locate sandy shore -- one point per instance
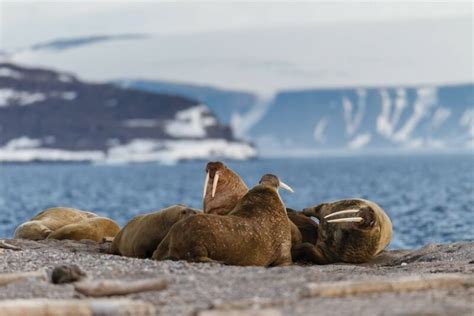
(194, 288)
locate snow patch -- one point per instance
(389, 117)
(191, 122)
(360, 141)
(65, 78)
(25, 149)
(146, 150)
(12, 97)
(241, 124)
(68, 95)
(140, 123)
(440, 116)
(23, 142)
(10, 73)
(353, 120)
(320, 130)
(47, 154)
(426, 98)
(467, 121)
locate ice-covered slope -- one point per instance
(51, 116)
(385, 119)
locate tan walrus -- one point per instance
(143, 233)
(257, 232)
(49, 220)
(352, 231)
(97, 229)
(223, 188)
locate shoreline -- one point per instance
(197, 288)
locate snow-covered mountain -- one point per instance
(53, 116)
(385, 119)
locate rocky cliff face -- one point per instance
(47, 115)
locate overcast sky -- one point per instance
(263, 46)
(25, 22)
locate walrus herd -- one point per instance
(237, 226)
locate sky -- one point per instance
(259, 46)
(26, 22)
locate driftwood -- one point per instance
(398, 285)
(4, 245)
(115, 287)
(256, 302)
(7, 278)
(52, 307)
(247, 312)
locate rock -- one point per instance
(229, 290)
(67, 274)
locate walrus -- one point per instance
(307, 228)
(49, 220)
(256, 233)
(223, 188)
(143, 233)
(96, 229)
(351, 231)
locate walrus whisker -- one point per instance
(285, 186)
(214, 184)
(205, 185)
(346, 220)
(342, 212)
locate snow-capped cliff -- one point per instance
(51, 116)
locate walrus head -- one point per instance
(273, 181)
(223, 188)
(33, 230)
(342, 212)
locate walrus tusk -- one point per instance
(285, 186)
(342, 212)
(214, 184)
(346, 220)
(205, 185)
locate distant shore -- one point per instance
(196, 288)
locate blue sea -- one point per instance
(430, 199)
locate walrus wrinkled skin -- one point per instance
(307, 228)
(351, 231)
(49, 220)
(256, 233)
(142, 234)
(96, 229)
(223, 188)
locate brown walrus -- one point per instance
(143, 233)
(49, 220)
(223, 188)
(96, 229)
(257, 232)
(351, 231)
